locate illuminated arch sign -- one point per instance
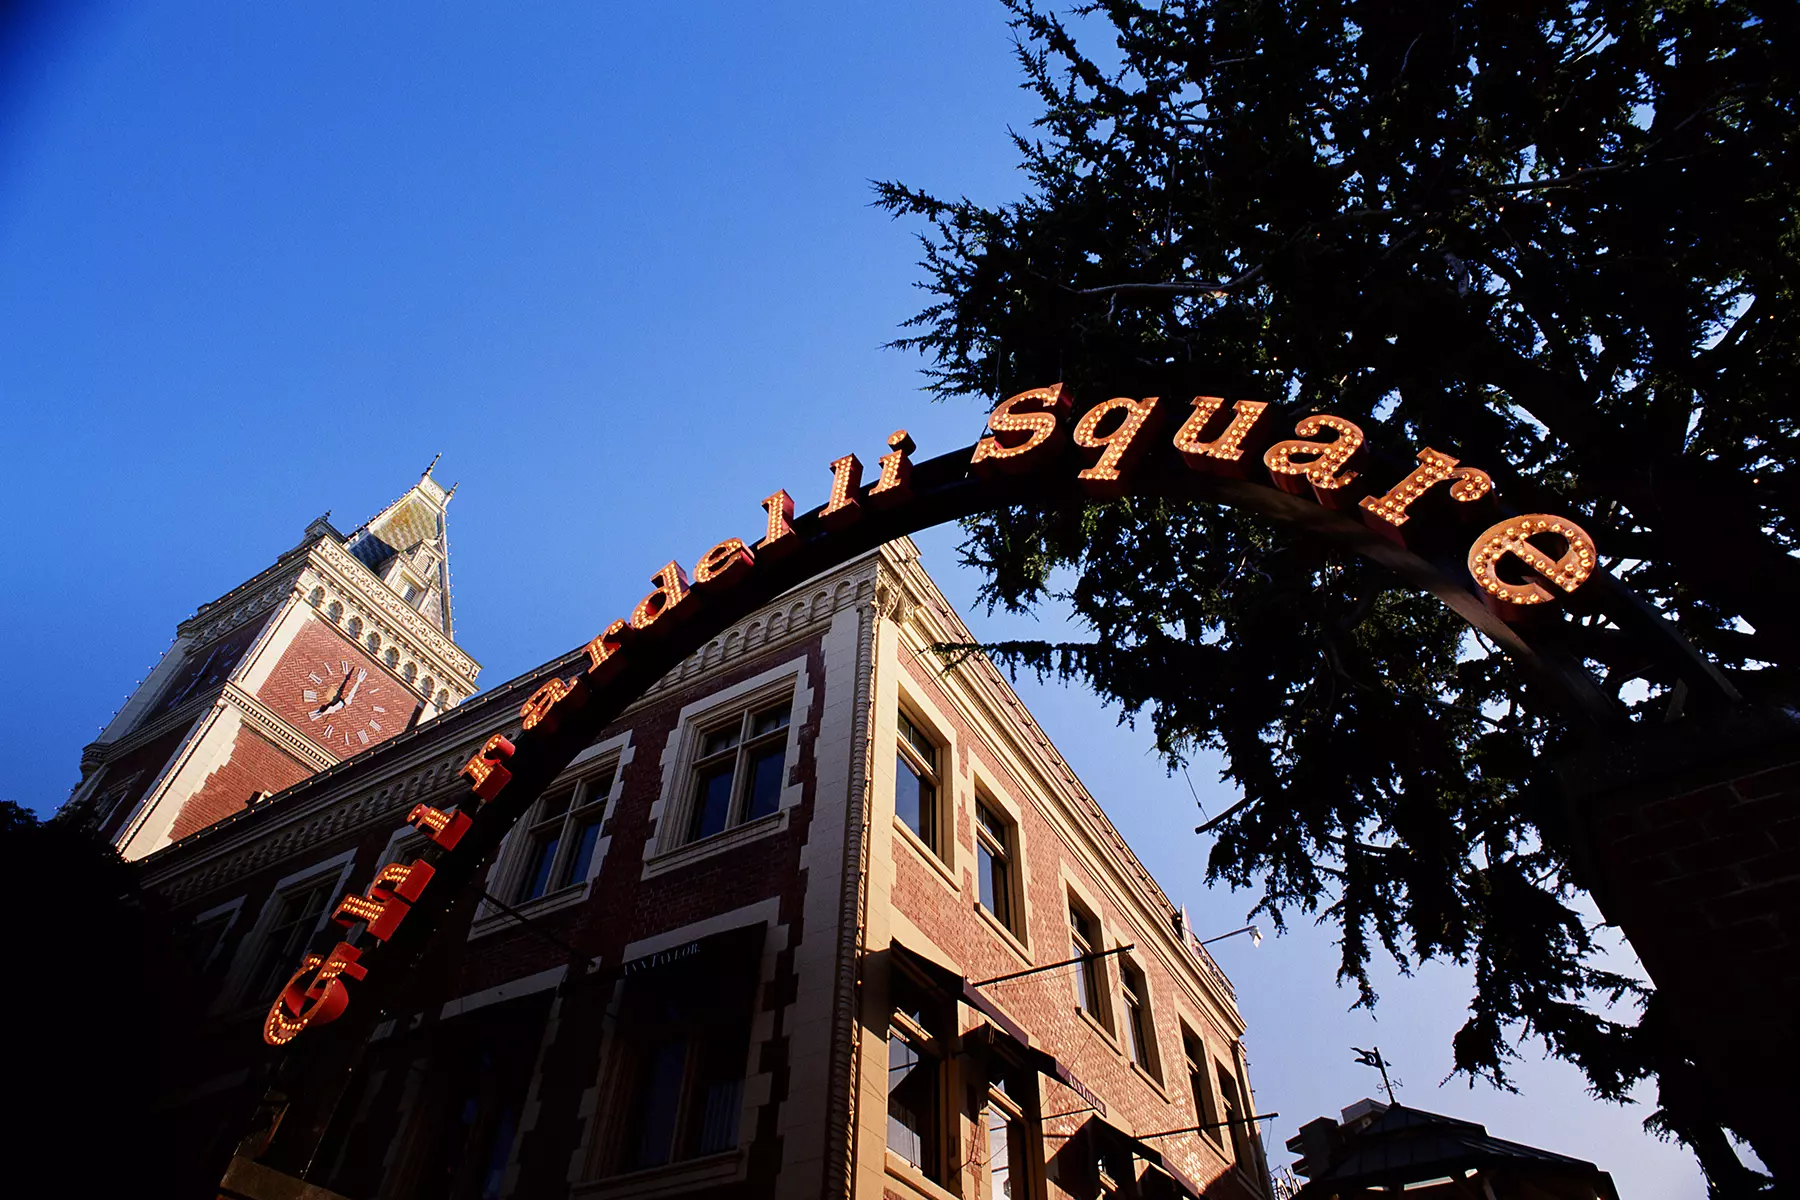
(1435, 523)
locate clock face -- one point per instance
(343, 705)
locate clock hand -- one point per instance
(324, 709)
(357, 686)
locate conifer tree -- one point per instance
(1564, 232)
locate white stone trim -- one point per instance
(512, 989)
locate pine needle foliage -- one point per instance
(1558, 239)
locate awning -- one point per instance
(1151, 1155)
(1019, 1042)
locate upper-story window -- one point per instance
(740, 771)
(994, 864)
(298, 914)
(1090, 974)
(562, 836)
(1206, 1111)
(1236, 1119)
(916, 788)
(1140, 1029)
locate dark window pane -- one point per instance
(712, 801)
(994, 823)
(990, 878)
(912, 1104)
(556, 805)
(713, 1112)
(765, 781)
(769, 720)
(719, 740)
(537, 870)
(656, 1102)
(914, 802)
(583, 858)
(293, 928)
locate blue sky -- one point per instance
(618, 264)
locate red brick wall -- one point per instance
(1706, 885)
(317, 650)
(255, 765)
(1045, 1004)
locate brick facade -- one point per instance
(504, 1070)
(254, 764)
(311, 662)
(1697, 860)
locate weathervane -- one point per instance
(1372, 1058)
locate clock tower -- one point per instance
(342, 643)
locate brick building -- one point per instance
(772, 934)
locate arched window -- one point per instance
(428, 686)
(410, 673)
(355, 626)
(392, 657)
(317, 597)
(443, 699)
(374, 640)
(334, 611)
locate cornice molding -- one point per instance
(185, 713)
(263, 719)
(341, 567)
(243, 603)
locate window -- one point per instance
(298, 912)
(994, 864)
(1005, 1143)
(916, 784)
(207, 938)
(684, 1045)
(1084, 939)
(562, 836)
(1140, 1032)
(1206, 1113)
(740, 772)
(916, 1083)
(1233, 1116)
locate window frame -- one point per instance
(1092, 982)
(263, 970)
(1200, 1086)
(589, 797)
(937, 814)
(672, 810)
(1000, 849)
(1231, 1096)
(1138, 1020)
(1024, 1119)
(932, 1045)
(742, 754)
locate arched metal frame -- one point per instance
(313, 1070)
